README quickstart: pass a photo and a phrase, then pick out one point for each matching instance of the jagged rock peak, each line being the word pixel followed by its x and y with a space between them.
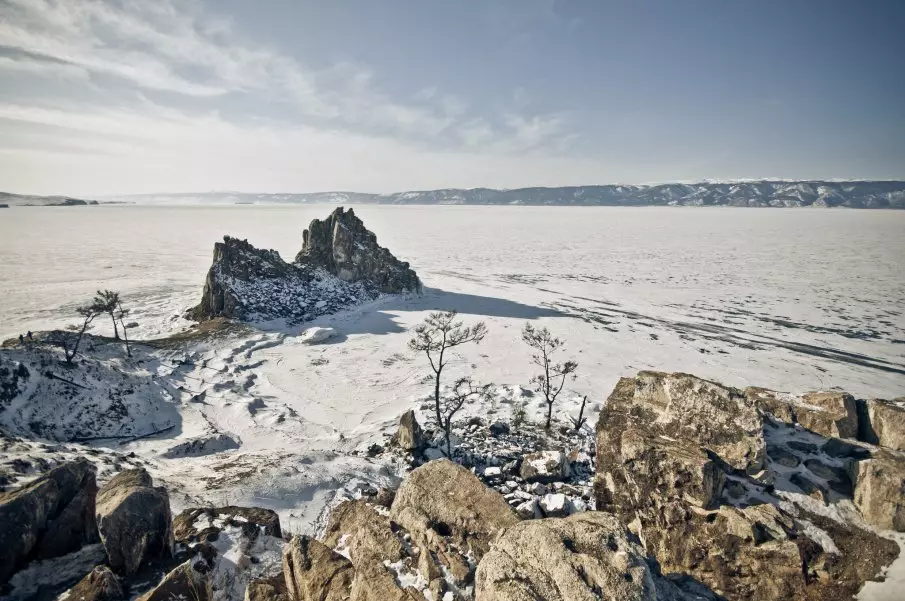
pixel 343 246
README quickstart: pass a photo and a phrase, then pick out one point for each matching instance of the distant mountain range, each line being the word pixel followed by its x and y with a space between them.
pixel 765 193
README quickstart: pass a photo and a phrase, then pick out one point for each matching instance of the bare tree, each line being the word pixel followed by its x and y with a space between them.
pixel 71 346
pixel 551 380
pixel 107 301
pixel 121 314
pixel 464 391
pixel 439 333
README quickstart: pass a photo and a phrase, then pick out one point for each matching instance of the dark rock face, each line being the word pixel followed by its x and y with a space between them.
pixel 340 265
pixel 185 582
pixel 133 518
pixel 343 246
pixel 48 517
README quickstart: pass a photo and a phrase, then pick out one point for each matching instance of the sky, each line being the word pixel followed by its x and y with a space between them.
pixel 103 97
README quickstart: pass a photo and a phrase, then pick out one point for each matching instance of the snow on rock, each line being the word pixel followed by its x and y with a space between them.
pixel 104 395
pixel 316 335
pixel 203 445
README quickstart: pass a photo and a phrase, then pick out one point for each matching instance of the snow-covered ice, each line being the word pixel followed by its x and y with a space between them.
pixel 789 300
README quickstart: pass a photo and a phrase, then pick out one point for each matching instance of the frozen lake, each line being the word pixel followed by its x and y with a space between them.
pixel 792 299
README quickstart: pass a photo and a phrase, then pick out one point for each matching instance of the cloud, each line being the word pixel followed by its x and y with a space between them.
pixel 177 47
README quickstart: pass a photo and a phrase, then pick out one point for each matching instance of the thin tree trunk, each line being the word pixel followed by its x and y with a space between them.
pixel 115 329
pixel 437 397
pixel 125 334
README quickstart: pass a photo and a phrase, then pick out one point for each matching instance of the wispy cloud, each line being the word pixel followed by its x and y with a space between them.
pixel 176 47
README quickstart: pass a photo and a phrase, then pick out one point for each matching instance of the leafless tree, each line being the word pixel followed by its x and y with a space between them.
pixel 464 391
pixel 71 344
pixel 439 333
pixel 553 376
pixel 107 301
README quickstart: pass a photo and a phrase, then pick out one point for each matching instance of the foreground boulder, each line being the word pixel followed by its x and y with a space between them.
pixel 99 585
pixel 830 414
pixel 133 518
pixel 587 556
pixel 51 516
pixel 445 499
pixel 340 265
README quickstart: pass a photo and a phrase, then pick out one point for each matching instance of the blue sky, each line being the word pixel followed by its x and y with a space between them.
pixel 129 96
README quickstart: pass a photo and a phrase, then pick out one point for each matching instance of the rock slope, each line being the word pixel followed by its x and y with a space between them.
pixel 340 265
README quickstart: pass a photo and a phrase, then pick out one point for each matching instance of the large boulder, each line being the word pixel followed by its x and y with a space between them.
pixel 409 437
pixel 879 489
pixel 312 571
pixel 134 520
pixel 442 499
pixel 99 585
pixel 48 517
pixel 585 557
pixel 343 246
pixel 684 407
pixel 883 423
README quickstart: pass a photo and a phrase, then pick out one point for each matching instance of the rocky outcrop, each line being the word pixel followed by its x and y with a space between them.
pixel 99 585
pixel 342 246
pixel 133 519
pixel 694 486
pixel 340 265
pixel 409 437
pixel 49 517
pixel 584 557
pixel 313 571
